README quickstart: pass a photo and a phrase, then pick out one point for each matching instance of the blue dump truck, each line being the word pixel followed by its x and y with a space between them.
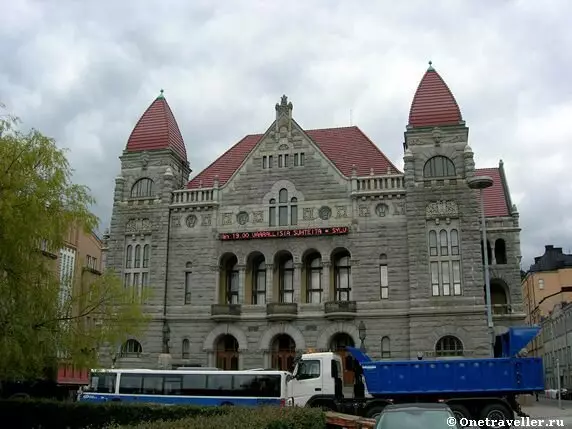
pixel 476 388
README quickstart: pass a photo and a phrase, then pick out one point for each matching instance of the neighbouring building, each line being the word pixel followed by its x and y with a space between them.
pixel 293 239
pixel 79 264
pixel 546 290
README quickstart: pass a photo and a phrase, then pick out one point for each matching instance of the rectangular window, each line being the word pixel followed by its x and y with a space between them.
pixel 287 286
pixel 264 162
pixel 445 259
pixel 232 292
pixel 445 276
pixel 286 160
pixel 435 278
pixel 314 286
pixel 270 161
pixel 293 215
pixel 188 275
pixel 296 163
pixel 272 216
pixel 280 162
pixel 283 215
pixel 383 282
pixel 342 284
pixel 301 158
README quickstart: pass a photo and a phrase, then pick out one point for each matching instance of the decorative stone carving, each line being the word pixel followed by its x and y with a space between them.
pixel 442 208
pixel 206 219
pixel 283 147
pixel 341 211
pixel 176 221
pixel 364 211
pixel 242 218
pixel 137 226
pixel 145 160
pixel 308 214
pixel 191 220
pixel 437 135
pixel 227 218
pixel 258 217
pixel 382 209
pixel 399 208
pixel 325 212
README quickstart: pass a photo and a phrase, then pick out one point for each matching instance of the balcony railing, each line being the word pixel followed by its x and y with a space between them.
pixel 281 311
pixel 225 312
pixel 340 310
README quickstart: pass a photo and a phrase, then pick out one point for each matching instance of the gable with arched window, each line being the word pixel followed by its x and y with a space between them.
pixel 438 167
pixel 285 212
pixel 143 188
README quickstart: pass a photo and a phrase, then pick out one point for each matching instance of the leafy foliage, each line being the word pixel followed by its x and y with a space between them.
pixel 39 206
pixel 59 415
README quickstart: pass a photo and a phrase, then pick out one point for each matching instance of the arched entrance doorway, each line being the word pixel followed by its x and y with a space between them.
pixel 283 352
pixel 227 353
pixel 338 345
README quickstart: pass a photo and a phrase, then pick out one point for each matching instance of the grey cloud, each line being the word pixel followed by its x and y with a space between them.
pixel 84 72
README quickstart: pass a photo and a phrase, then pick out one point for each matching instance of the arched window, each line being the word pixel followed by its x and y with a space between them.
pixel 137 257
pixel 129 256
pixel 314 279
pixel 143 188
pixel 383 277
pixel 131 348
pixel 259 280
pixel 286 280
pixel 445 260
pixel 439 166
pixel 342 277
pixel 186 352
pixel 449 345
pixel 287 210
pixel 385 348
pixel 136 271
pixel 232 277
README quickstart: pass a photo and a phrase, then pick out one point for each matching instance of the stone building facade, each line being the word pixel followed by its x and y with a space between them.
pixel 294 238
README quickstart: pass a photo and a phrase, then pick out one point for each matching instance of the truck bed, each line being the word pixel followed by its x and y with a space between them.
pixel 451 376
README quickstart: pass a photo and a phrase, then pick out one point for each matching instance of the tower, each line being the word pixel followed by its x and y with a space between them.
pixel 153 165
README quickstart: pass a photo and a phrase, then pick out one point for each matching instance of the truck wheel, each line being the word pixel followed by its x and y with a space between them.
pixel 496 412
pixel 460 412
pixel 374 412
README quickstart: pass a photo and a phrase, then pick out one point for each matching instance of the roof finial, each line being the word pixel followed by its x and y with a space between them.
pixel 161 94
pixel 430 68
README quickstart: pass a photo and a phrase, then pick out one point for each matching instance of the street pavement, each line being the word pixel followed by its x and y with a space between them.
pixel 548 409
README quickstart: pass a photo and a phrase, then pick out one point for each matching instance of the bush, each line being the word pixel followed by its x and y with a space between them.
pixel 46 414
pixel 244 418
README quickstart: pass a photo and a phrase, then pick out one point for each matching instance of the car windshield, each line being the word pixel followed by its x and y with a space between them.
pixel 414 419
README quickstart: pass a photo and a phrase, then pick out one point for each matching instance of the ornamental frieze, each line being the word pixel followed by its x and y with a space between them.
pixel 136 226
pixel 442 208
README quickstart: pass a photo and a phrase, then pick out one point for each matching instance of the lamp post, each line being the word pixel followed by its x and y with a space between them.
pixel 362 333
pixel 481 183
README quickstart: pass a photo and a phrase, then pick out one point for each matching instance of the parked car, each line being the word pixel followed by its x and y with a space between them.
pixel 417 416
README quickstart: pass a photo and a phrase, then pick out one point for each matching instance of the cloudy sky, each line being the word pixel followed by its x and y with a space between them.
pixel 83 72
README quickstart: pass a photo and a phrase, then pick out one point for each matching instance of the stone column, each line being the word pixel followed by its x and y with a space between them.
pixel 269 282
pixel 326 265
pixel 297 282
pixel 241 283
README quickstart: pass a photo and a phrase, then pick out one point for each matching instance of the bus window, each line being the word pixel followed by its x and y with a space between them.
pixel 102 382
pixel 270 386
pixel 194 384
pixel 220 383
pixel 173 384
pixel 246 385
pixel 152 384
pixel 130 384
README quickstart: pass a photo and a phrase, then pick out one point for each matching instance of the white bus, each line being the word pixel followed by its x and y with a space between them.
pixel 188 387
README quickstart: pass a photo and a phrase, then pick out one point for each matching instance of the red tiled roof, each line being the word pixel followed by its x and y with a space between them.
pixel 345 147
pixel 157 129
pixel 495 196
pixel 433 103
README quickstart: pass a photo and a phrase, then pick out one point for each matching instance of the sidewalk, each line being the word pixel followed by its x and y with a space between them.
pixel 547 408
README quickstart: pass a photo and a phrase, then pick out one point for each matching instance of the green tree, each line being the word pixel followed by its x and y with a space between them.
pixel 39 320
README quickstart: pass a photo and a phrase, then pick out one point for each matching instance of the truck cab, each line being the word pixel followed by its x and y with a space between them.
pixel 317 381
